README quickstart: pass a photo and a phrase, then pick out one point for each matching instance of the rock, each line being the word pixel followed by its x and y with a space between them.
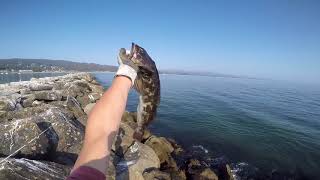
pixel 178 150
pixel 137 160
pixel 83 100
pixel 31 169
pixel 178 175
pixel 146 135
pixel 112 163
pixel 24 91
pixel 225 172
pixel 48 95
pixel 156 174
pixel 40 87
pixel 94 96
pixel 229 173
pixel 88 77
pixel 207 174
pixel 88 108
pixel 18 133
pixel 130 118
pixel 97 89
pixel 196 170
pixel 3 115
pixel 69 131
pixel 162 148
pixel 76 88
pixel 37 103
pixel 123 140
pixel 49 134
pixel 8 103
pixel 75 107
pixel 194 163
pixel 27 100
pixel 33 111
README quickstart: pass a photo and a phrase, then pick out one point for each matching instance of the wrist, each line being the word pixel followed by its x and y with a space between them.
pixel 123 81
pixel 128 72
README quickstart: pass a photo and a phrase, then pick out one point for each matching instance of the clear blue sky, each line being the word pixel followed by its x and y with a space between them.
pixel 277 39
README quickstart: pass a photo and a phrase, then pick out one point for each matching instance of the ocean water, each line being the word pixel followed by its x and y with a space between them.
pixel 252 124
pixel 269 125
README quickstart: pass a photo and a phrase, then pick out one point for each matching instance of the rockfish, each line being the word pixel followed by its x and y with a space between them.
pixel 147 84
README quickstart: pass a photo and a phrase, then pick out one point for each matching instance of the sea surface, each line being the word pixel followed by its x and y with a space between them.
pixel 256 125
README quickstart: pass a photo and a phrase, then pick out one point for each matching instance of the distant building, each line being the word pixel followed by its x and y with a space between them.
pixel 25 71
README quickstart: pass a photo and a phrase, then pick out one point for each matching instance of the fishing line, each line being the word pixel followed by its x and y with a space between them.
pixel 16 151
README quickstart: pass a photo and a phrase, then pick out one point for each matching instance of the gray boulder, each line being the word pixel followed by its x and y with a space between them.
pixel 162 147
pixel 9 102
pixel 39 86
pixel 196 170
pixel 27 100
pixel 51 134
pixel 19 134
pixel 123 140
pixel 156 174
pixel 75 107
pixel 138 159
pixel 31 169
pixel 88 108
pixel 48 95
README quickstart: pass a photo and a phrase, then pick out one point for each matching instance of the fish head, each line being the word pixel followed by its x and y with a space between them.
pixel 141 58
pixel 147 74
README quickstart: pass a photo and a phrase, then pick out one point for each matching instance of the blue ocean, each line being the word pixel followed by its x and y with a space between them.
pixel 256 125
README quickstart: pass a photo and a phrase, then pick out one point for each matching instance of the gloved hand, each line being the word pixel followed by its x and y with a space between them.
pixel 126 67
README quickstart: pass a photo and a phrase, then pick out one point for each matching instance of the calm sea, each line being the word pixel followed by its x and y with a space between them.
pixel 269 125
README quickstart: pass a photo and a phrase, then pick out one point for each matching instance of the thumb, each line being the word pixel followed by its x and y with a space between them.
pixel 122 56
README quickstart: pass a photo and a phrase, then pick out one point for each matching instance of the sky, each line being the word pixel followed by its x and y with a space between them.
pixel 276 39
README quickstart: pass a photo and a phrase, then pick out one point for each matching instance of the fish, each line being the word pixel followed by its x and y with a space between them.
pixel 147 85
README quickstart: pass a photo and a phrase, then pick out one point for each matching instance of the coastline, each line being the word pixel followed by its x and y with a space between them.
pixel 30 103
pixel 51 114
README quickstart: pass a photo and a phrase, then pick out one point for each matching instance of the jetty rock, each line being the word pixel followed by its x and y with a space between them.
pixel 42 125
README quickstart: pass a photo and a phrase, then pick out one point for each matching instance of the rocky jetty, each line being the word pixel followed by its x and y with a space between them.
pixel 42 123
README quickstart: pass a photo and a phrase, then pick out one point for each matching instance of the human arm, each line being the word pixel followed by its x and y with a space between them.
pixel 103 124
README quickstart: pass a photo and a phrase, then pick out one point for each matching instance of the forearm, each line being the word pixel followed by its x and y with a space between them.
pixel 103 124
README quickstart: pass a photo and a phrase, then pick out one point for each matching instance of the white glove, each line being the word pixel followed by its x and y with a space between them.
pixel 126 68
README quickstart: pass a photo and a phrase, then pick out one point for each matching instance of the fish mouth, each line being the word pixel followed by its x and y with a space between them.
pixel 133 52
pixel 126 53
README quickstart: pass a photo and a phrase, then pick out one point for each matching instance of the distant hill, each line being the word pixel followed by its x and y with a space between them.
pixel 39 65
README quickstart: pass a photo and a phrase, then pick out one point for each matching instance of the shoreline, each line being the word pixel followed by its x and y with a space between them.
pixel 63 102
pixel 33 99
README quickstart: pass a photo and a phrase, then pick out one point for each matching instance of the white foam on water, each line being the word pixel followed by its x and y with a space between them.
pixel 201 147
pixel 238 168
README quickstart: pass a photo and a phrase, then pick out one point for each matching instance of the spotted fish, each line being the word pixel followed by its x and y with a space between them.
pixel 147 84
